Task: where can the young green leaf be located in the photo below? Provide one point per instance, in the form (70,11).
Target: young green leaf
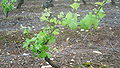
(73,25)
(43,18)
(75,6)
(13,1)
(89,21)
(44,48)
(101,13)
(7,6)
(52,40)
(43,54)
(56,31)
(69,15)
(99,3)
(26,43)
(61,15)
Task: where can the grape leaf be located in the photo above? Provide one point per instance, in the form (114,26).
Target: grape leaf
(75,6)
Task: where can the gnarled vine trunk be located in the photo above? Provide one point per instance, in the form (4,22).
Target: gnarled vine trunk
(52,63)
(20,2)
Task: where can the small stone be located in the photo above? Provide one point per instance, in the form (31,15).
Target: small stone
(33,26)
(86,30)
(88,61)
(23,11)
(98,27)
(52,58)
(11,62)
(67,39)
(110,28)
(72,60)
(98,52)
(82,57)
(71,63)
(115,22)
(48,66)
(82,30)
(77,31)
(62,31)
(25,54)
(117,7)
(78,14)
(8,53)
(47,63)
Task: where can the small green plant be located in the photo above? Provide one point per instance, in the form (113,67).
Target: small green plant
(7,6)
(92,19)
(39,43)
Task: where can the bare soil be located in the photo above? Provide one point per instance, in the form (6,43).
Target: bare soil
(74,47)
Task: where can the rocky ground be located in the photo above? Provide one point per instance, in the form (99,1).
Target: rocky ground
(74,47)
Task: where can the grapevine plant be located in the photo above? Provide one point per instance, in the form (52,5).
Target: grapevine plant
(7,6)
(39,43)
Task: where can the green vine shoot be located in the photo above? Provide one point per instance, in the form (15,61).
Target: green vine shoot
(7,6)
(39,44)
